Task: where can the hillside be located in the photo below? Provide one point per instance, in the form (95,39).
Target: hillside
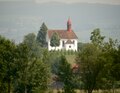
(71,59)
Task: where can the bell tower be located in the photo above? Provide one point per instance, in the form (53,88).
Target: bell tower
(69,28)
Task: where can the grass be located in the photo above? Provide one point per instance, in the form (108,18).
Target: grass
(71,59)
(70,56)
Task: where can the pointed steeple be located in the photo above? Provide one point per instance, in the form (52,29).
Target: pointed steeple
(69,23)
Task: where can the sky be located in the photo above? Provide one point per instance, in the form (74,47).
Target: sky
(114,2)
(18,19)
(83,1)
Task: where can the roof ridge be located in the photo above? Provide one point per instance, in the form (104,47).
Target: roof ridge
(64,34)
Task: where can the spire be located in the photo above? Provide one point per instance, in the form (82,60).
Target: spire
(69,23)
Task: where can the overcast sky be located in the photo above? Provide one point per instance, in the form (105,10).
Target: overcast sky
(73,1)
(20,17)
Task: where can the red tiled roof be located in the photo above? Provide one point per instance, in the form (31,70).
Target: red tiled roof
(63,34)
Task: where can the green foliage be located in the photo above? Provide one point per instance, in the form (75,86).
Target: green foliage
(40,77)
(55,40)
(111,71)
(115,71)
(27,67)
(91,64)
(30,39)
(111,45)
(22,59)
(97,60)
(24,67)
(7,49)
(65,74)
(80,46)
(34,47)
(33,74)
(41,36)
(96,38)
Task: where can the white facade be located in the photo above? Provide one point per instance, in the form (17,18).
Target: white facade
(68,39)
(64,45)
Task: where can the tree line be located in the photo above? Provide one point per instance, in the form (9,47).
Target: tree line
(29,67)
(99,63)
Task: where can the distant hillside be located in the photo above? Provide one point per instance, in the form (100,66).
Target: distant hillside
(19,19)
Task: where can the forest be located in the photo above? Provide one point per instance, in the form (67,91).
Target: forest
(28,67)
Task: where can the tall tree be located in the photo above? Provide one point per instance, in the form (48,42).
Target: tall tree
(7,49)
(33,70)
(96,37)
(91,61)
(91,64)
(116,64)
(55,40)
(30,39)
(32,73)
(34,47)
(65,74)
(41,36)
(111,71)
(22,58)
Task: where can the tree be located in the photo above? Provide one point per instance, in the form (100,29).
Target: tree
(55,40)
(96,37)
(41,36)
(99,63)
(34,48)
(30,39)
(115,71)
(80,45)
(7,64)
(32,73)
(91,64)
(111,71)
(40,77)
(65,74)
(22,59)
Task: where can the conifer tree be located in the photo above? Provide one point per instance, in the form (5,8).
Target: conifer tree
(41,36)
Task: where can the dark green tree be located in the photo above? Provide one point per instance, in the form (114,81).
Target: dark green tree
(40,76)
(115,71)
(32,73)
(41,36)
(96,38)
(80,45)
(55,40)
(22,59)
(7,63)
(65,74)
(112,64)
(91,63)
